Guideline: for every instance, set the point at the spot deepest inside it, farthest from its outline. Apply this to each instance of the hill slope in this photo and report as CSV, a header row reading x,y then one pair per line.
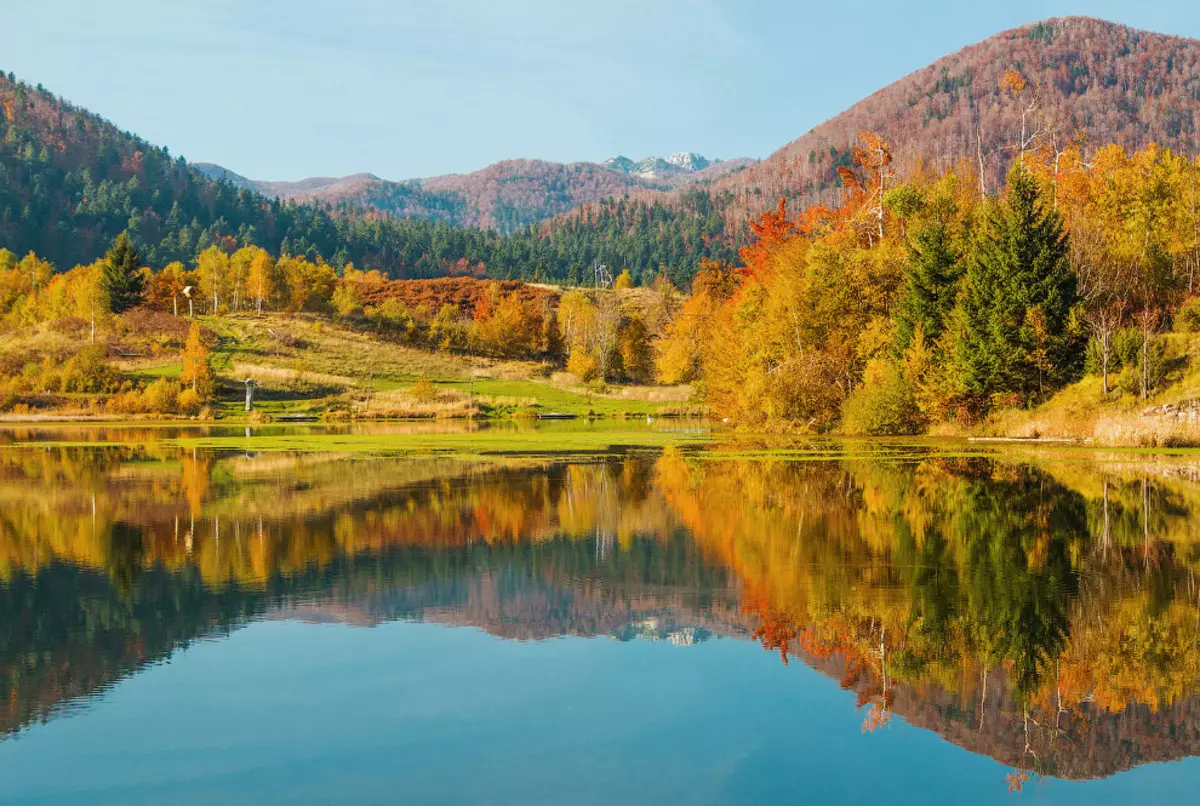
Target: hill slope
x,y
1110,82
70,182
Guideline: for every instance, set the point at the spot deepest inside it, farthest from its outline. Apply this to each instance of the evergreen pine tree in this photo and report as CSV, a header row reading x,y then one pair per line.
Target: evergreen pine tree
x,y
1018,295
122,279
930,284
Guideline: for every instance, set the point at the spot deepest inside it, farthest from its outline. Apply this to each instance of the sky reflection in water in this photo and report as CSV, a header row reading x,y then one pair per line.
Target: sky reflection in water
x,y
215,626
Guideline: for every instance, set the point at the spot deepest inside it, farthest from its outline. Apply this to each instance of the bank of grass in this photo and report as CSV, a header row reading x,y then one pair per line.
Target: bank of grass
x,y
1082,412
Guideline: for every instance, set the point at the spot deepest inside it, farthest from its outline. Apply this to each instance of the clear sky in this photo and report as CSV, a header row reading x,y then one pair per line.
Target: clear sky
x,y
284,89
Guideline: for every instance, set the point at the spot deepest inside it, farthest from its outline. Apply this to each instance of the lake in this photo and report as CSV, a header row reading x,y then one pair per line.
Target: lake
x,y
606,614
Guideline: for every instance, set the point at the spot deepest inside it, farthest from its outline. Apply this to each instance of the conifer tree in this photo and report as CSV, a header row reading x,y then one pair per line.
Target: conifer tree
x,y
930,284
1016,306
122,279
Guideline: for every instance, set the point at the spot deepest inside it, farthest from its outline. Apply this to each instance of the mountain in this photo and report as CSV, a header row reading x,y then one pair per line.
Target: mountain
x,y
504,196
681,168
1107,82
70,181
621,164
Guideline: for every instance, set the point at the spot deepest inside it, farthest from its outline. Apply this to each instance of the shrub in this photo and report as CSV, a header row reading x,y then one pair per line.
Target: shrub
x,y
525,413
189,402
423,391
1130,379
1188,318
884,404
583,365
128,402
88,371
162,396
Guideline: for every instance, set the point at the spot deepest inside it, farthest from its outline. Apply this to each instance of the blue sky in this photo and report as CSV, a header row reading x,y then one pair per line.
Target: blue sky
x,y
283,89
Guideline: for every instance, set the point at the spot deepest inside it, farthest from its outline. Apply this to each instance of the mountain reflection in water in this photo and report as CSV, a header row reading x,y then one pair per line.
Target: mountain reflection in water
x,y
1041,612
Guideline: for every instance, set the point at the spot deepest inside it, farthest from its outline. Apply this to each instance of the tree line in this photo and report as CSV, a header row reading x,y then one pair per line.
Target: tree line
x,y
600,334
926,300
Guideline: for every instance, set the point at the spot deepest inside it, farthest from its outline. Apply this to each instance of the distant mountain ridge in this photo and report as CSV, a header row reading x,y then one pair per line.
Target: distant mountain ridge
x,y
503,196
1094,79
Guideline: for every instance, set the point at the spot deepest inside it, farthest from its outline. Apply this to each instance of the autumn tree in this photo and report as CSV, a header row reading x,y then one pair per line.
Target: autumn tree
x,y
874,155
212,272
308,286
166,286
577,320
637,356
505,325
88,294
262,279
1139,202
679,350
197,371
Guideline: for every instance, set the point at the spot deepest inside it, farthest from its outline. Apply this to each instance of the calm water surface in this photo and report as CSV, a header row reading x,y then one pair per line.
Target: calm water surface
x,y
846,622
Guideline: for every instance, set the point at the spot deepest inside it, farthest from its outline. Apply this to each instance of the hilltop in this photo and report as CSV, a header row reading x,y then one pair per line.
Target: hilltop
x,y
1091,78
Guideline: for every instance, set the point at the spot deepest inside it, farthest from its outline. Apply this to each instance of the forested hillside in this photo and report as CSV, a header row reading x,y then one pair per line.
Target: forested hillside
x,y
70,182
504,196
1088,81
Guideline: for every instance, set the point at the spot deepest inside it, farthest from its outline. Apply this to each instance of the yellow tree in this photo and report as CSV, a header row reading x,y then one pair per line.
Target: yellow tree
x,y
1138,202
212,270
637,358
262,279
197,371
240,263
85,286
678,349
308,286
577,320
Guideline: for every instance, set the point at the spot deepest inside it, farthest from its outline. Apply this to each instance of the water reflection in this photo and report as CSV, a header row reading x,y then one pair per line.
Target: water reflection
x,y
1043,612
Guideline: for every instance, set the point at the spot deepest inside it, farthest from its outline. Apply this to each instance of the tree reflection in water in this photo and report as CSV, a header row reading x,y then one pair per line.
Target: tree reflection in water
x,y
1040,611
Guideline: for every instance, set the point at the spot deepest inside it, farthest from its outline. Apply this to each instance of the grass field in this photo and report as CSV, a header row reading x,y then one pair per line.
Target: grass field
x,y
309,366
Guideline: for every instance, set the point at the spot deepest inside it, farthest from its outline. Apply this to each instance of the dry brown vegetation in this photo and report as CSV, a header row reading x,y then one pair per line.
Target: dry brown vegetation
x,y
464,293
